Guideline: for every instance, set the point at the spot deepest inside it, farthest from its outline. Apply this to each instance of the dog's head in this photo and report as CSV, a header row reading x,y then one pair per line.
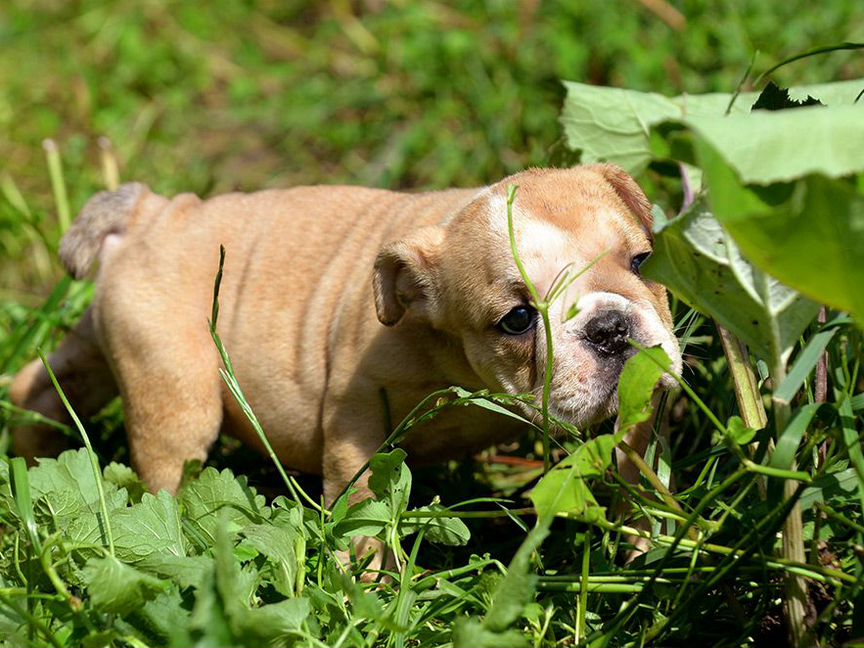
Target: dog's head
x,y
462,280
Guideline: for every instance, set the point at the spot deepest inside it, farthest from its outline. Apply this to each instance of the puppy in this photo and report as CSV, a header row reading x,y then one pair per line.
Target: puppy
x,y
332,294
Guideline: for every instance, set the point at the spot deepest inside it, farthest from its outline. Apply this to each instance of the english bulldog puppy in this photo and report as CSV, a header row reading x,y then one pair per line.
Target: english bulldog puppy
x,y
333,295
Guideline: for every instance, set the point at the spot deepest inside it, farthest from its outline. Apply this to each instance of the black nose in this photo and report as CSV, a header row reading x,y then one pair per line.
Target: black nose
x,y
608,332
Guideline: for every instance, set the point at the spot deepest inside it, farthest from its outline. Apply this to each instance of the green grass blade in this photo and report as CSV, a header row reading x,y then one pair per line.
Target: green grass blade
x,y
20,483
804,364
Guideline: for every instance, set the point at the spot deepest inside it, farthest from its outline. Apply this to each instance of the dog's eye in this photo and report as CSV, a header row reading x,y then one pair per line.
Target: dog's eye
x,y
518,321
638,260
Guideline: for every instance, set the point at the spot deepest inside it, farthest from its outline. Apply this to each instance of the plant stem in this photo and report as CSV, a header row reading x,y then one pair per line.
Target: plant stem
x,y
637,460
795,602
94,461
542,307
746,389
584,586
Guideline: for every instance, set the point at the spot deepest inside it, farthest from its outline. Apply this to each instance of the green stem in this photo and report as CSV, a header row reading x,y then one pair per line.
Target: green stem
x,y
94,461
795,602
234,387
543,309
654,480
584,587
744,379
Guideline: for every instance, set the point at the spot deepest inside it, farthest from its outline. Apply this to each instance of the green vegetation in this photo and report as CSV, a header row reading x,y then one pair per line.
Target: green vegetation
x,y
412,95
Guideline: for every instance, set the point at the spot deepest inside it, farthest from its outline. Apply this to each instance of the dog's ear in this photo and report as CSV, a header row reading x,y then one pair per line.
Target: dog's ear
x,y
629,192
405,275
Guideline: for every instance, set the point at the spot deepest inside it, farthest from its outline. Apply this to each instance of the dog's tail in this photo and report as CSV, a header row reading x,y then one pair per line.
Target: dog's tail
x,y
105,213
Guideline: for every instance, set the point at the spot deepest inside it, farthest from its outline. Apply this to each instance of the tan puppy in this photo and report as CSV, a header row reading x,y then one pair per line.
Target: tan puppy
x,y
306,337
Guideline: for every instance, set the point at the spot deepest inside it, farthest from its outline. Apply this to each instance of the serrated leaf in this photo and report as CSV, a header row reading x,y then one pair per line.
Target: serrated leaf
x,y
697,260
186,571
118,588
148,530
209,624
281,546
391,480
205,498
66,498
160,618
272,624
124,477
773,97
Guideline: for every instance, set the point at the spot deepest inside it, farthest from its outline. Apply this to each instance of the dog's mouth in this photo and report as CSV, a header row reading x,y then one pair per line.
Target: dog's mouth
x,y
597,398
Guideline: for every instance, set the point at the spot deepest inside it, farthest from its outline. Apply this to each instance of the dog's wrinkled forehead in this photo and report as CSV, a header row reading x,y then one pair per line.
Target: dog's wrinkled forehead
x,y
588,202
560,216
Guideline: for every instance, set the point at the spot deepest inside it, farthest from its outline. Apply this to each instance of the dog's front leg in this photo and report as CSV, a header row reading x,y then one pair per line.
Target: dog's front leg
x,y
348,444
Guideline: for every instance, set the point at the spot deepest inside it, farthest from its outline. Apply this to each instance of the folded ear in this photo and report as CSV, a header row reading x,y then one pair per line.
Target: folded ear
x,y
629,192
405,276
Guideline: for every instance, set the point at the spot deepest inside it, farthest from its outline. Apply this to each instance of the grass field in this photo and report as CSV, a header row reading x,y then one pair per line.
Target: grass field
x,y
403,95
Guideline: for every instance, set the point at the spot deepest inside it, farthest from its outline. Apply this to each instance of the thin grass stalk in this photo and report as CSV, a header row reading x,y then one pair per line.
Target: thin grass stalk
x,y
94,461
230,379
632,605
108,160
742,550
58,184
33,622
807,54
654,480
584,584
543,309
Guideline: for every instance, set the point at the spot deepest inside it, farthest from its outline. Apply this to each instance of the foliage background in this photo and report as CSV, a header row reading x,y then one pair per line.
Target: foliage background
x,y
242,95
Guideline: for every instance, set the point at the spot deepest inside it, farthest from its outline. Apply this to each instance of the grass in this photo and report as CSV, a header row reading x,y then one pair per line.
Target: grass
x,y
413,95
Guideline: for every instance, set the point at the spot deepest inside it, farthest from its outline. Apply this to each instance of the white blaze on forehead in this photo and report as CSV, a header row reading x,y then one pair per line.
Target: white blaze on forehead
x,y
543,248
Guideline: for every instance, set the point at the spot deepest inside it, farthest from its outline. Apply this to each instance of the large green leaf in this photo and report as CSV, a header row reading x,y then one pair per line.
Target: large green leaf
x,y
696,259
809,234
614,125
442,530
778,146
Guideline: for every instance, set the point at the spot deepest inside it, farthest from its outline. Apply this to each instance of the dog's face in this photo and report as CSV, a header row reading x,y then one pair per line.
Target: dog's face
x,y
586,228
